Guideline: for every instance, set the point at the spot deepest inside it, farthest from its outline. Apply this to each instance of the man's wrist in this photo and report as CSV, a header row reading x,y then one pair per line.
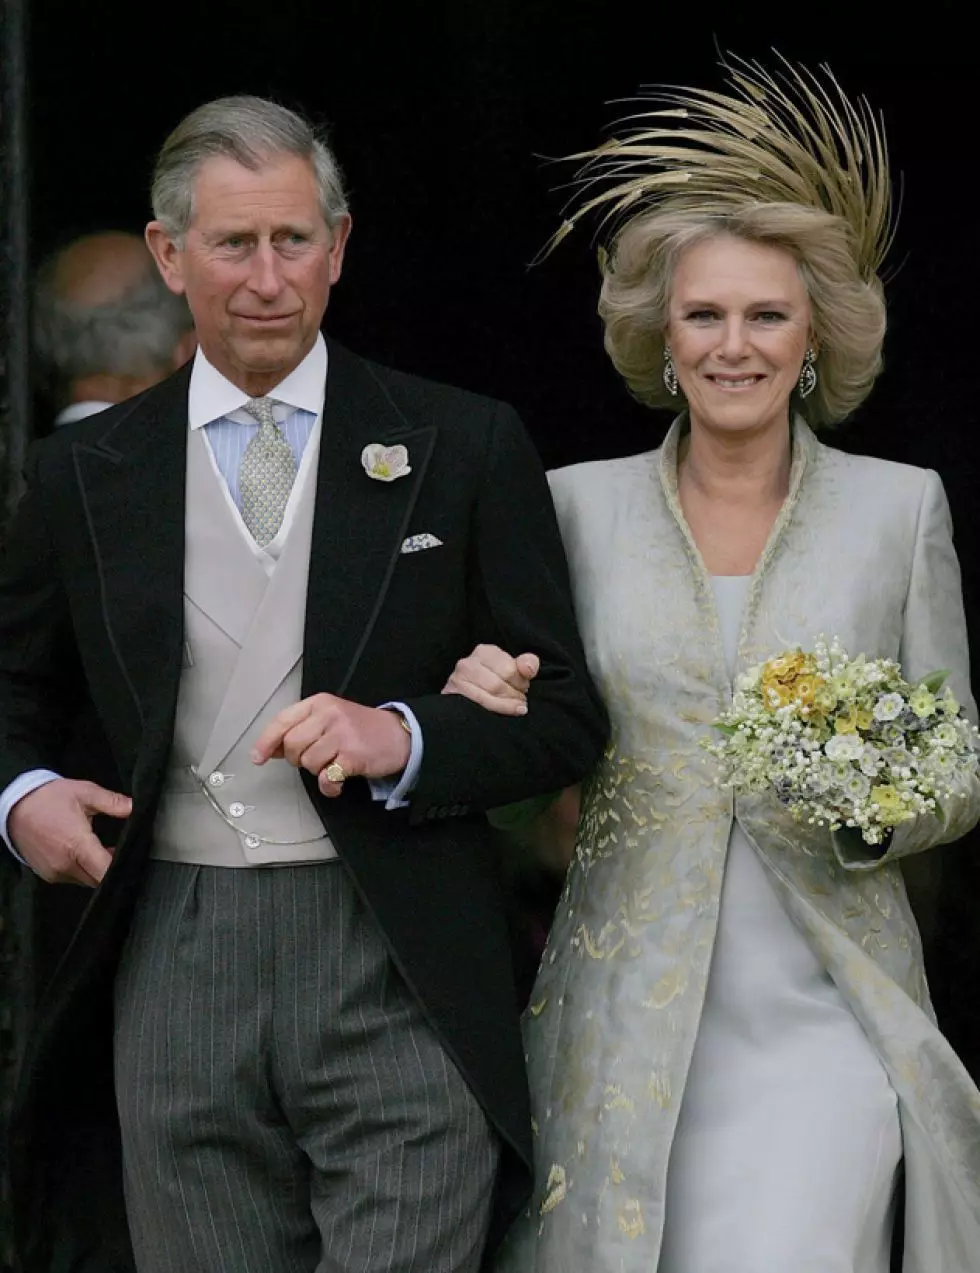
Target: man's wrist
x,y
401,718
11,796
404,742
395,790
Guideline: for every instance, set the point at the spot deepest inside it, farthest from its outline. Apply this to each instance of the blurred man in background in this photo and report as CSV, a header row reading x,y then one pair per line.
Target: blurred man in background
x,y
105,326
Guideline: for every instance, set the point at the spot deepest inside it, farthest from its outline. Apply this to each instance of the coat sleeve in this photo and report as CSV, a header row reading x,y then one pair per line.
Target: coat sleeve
x,y
934,637
40,676
519,598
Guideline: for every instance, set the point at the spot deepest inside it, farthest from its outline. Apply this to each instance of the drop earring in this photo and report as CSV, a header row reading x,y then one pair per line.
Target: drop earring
x,y
670,373
808,374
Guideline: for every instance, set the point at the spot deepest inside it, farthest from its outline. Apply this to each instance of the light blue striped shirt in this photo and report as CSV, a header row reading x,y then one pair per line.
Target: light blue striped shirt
x,y
230,435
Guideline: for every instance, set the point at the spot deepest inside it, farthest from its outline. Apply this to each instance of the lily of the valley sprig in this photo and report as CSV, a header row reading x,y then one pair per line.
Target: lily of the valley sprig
x,y
385,463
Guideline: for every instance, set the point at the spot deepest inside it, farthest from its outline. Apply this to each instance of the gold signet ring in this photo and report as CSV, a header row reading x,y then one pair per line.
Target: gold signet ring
x,y
335,772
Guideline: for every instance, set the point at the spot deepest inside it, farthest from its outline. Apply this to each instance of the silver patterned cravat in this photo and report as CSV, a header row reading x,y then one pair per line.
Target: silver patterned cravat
x,y
266,474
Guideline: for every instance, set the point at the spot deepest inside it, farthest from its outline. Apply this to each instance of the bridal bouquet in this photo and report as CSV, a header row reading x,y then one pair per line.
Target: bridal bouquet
x,y
845,742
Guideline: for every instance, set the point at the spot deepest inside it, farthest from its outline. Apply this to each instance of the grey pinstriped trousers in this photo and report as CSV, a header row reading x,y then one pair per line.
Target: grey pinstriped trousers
x,y
284,1106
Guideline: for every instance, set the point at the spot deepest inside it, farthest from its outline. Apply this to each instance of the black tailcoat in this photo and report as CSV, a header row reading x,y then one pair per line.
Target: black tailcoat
x,y
91,616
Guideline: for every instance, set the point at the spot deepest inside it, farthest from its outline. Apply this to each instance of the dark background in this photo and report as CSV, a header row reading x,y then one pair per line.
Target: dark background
x,y
441,113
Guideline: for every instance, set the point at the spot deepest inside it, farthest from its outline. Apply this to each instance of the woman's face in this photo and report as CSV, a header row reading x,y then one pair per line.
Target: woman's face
x,y
738,329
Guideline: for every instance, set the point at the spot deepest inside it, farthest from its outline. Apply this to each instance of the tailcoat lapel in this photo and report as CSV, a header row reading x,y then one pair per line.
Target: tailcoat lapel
x,y
131,484
359,522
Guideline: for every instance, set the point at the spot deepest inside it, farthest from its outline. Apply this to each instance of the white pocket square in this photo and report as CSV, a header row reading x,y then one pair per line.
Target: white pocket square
x,y
416,543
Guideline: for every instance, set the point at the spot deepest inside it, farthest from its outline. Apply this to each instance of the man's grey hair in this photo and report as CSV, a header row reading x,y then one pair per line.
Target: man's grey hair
x,y
135,334
249,130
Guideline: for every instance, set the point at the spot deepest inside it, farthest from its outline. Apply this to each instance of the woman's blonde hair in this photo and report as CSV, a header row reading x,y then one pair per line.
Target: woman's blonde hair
x,y
788,162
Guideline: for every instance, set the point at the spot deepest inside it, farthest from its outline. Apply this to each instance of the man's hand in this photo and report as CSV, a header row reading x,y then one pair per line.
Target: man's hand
x,y
323,730
494,680
51,829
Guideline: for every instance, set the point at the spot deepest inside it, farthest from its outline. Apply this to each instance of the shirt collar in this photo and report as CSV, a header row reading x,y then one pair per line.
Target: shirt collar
x,y
212,396
80,411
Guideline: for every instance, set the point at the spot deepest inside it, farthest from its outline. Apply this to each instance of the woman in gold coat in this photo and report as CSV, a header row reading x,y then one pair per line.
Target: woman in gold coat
x,y
733,1059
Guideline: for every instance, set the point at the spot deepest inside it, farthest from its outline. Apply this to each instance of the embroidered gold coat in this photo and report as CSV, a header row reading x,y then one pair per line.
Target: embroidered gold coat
x,y
862,550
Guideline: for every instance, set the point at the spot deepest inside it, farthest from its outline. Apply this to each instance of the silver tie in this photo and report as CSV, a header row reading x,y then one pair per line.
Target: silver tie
x,y
266,474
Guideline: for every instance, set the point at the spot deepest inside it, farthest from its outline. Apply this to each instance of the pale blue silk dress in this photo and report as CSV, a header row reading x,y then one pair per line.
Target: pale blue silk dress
x,y
788,1141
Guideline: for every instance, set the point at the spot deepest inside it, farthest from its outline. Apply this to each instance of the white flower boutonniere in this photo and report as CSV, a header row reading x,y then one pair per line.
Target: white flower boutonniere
x,y
385,463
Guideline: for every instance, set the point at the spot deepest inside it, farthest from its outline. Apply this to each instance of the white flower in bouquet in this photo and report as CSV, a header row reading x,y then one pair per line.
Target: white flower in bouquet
x,y
888,707
844,747
845,742
870,760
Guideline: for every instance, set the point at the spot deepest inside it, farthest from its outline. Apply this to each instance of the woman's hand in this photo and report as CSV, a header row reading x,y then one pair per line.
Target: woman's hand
x,y
494,680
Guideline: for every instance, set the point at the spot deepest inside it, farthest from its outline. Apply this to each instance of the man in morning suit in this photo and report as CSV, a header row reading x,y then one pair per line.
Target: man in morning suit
x,y
294,964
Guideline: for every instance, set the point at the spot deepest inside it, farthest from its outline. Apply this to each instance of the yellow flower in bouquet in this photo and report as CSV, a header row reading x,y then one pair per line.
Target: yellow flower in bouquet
x,y
785,667
853,719
805,691
892,809
922,701
825,697
790,678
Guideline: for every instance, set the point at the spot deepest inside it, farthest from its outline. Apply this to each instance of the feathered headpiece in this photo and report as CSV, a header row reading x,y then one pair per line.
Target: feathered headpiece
x,y
784,137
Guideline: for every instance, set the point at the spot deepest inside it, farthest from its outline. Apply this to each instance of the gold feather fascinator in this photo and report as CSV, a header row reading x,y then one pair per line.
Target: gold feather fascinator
x,y
783,136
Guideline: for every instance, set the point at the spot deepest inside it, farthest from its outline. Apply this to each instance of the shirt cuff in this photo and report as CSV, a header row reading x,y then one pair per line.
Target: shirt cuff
x,y
395,791
20,787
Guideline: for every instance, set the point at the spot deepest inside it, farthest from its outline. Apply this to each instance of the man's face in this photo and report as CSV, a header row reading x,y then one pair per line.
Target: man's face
x,y
256,266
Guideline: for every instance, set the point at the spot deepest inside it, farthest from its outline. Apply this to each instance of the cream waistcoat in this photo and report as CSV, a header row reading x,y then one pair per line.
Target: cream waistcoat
x,y
243,631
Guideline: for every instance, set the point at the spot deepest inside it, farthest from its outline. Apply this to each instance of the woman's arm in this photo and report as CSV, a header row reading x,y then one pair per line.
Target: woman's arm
x,y
500,683
934,637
